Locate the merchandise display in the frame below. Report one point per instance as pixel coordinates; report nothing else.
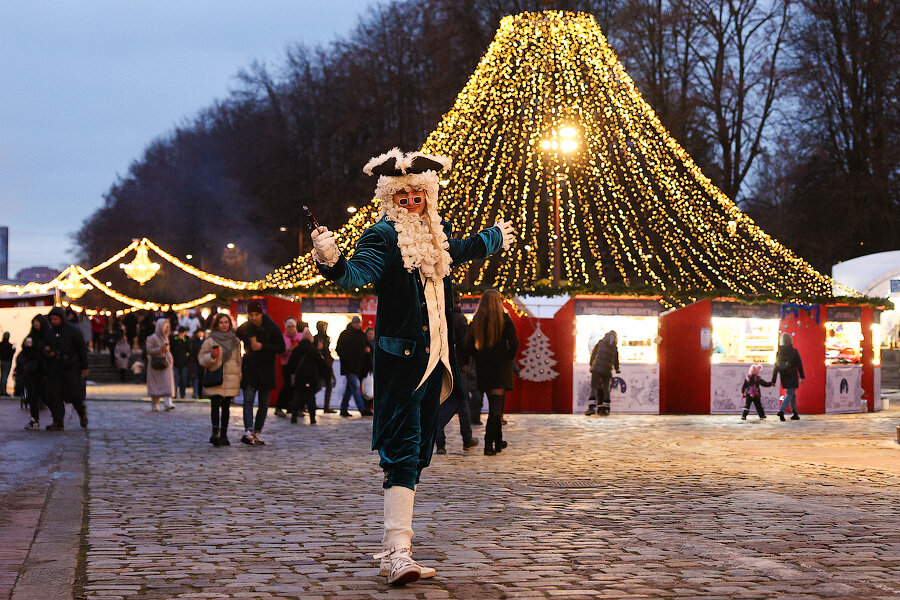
(637, 336)
(744, 340)
(843, 343)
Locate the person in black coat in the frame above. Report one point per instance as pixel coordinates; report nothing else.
(604, 359)
(307, 369)
(493, 343)
(789, 365)
(7, 351)
(180, 347)
(263, 341)
(323, 345)
(34, 368)
(67, 365)
(351, 349)
(460, 327)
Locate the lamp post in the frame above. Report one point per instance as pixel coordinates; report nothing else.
(561, 143)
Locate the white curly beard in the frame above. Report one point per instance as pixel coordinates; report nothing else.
(421, 239)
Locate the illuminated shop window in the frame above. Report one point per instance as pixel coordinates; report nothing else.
(744, 340)
(637, 336)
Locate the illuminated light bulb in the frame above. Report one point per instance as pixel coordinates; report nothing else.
(568, 145)
(545, 144)
(351, 209)
(189, 256)
(230, 245)
(568, 132)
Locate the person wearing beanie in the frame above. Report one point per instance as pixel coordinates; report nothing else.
(263, 341)
(67, 365)
(790, 367)
(407, 254)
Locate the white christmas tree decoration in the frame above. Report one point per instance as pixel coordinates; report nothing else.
(537, 361)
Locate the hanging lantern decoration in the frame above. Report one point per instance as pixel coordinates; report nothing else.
(73, 286)
(140, 269)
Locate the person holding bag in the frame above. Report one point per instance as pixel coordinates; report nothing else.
(220, 355)
(161, 374)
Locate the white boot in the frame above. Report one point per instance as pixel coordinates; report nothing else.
(168, 404)
(397, 541)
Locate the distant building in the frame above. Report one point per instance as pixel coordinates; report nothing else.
(37, 274)
(4, 253)
(876, 275)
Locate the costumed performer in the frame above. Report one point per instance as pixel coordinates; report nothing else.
(407, 254)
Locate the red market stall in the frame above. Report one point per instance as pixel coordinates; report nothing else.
(706, 350)
(708, 346)
(636, 322)
(840, 348)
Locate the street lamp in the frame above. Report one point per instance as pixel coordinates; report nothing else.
(557, 146)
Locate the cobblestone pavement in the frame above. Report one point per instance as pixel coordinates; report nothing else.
(576, 507)
(29, 463)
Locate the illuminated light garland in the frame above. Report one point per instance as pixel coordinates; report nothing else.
(216, 279)
(141, 304)
(636, 209)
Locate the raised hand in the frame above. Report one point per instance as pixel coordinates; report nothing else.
(507, 230)
(326, 250)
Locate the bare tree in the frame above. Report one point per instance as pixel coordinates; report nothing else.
(655, 41)
(739, 49)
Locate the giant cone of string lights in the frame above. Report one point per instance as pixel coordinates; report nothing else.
(550, 118)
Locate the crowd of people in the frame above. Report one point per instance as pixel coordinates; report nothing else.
(219, 361)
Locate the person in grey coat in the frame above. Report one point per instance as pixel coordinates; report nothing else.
(160, 372)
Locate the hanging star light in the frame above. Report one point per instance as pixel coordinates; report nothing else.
(73, 286)
(140, 269)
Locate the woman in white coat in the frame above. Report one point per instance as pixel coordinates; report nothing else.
(220, 355)
(160, 375)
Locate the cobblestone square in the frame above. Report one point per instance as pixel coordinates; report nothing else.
(576, 507)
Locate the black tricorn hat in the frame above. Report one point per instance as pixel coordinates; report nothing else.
(396, 164)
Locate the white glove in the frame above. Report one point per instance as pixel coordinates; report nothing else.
(507, 230)
(325, 249)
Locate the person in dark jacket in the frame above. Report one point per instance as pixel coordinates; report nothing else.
(323, 346)
(196, 368)
(67, 366)
(604, 359)
(460, 327)
(130, 324)
(789, 365)
(7, 351)
(263, 341)
(307, 369)
(34, 368)
(180, 347)
(351, 349)
(493, 343)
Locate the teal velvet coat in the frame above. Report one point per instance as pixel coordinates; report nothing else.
(400, 336)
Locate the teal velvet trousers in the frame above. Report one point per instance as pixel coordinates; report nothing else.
(408, 438)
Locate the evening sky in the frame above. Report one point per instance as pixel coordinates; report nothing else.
(88, 84)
